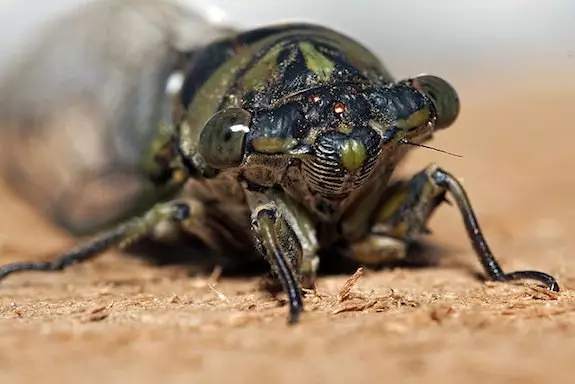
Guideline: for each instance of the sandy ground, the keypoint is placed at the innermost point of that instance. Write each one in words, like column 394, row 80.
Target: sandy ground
column 117, row 320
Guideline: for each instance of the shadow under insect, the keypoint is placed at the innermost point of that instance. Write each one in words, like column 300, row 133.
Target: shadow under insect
column 198, row 258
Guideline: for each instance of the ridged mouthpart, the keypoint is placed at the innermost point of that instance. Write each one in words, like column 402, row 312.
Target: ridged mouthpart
column 340, row 165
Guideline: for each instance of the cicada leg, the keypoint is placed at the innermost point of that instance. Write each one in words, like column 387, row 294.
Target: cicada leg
column 405, row 213
column 285, row 237
column 179, row 212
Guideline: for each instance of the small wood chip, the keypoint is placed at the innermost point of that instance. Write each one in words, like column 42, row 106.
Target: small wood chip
column 98, row 309
column 98, row 313
column 95, row 317
column 441, row 313
column 540, row 293
column 220, row 295
column 355, row 305
column 344, row 292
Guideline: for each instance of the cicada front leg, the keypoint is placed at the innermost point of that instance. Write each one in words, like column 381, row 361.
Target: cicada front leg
column 285, row 237
column 405, row 212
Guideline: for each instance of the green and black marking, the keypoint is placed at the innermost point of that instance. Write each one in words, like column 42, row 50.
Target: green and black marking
column 282, row 146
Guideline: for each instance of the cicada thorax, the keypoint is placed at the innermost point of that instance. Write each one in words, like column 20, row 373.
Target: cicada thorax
column 258, row 68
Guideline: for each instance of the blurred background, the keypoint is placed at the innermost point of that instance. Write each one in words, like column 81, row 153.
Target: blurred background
column 460, row 38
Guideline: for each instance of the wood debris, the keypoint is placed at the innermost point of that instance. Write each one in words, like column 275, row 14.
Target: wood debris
column 345, row 291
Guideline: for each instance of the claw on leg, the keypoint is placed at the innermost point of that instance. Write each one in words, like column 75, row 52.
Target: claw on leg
column 120, row 236
column 490, row 264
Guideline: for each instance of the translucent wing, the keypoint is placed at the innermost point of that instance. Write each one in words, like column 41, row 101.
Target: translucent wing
column 81, row 107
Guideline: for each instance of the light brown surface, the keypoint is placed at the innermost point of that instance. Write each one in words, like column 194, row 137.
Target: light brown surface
column 115, row 320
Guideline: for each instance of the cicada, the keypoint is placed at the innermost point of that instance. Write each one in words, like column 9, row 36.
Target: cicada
column 281, row 146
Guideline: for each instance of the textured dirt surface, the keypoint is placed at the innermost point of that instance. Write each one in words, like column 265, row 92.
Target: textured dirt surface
column 117, row 320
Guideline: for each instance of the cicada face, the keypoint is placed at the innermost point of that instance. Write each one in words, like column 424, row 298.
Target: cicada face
column 332, row 138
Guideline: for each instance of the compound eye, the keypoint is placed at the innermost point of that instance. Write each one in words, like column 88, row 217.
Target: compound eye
column 443, row 96
column 221, row 141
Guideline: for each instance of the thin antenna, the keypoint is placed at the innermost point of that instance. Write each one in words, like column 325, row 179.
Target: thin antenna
column 405, row 141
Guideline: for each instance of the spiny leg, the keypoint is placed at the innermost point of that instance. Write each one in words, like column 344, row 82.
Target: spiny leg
column 405, row 212
column 121, row 236
column 277, row 240
column 400, row 215
column 447, row 181
column 305, row 232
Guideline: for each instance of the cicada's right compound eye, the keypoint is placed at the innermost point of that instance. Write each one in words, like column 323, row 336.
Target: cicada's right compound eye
column 222, row 139
column 443, row 96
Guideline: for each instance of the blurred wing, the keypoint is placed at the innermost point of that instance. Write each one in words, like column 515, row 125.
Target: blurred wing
column 79, row 109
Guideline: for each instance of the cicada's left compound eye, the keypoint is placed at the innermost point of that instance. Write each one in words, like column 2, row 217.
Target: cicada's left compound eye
column 443, row 96
column 222, row 139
